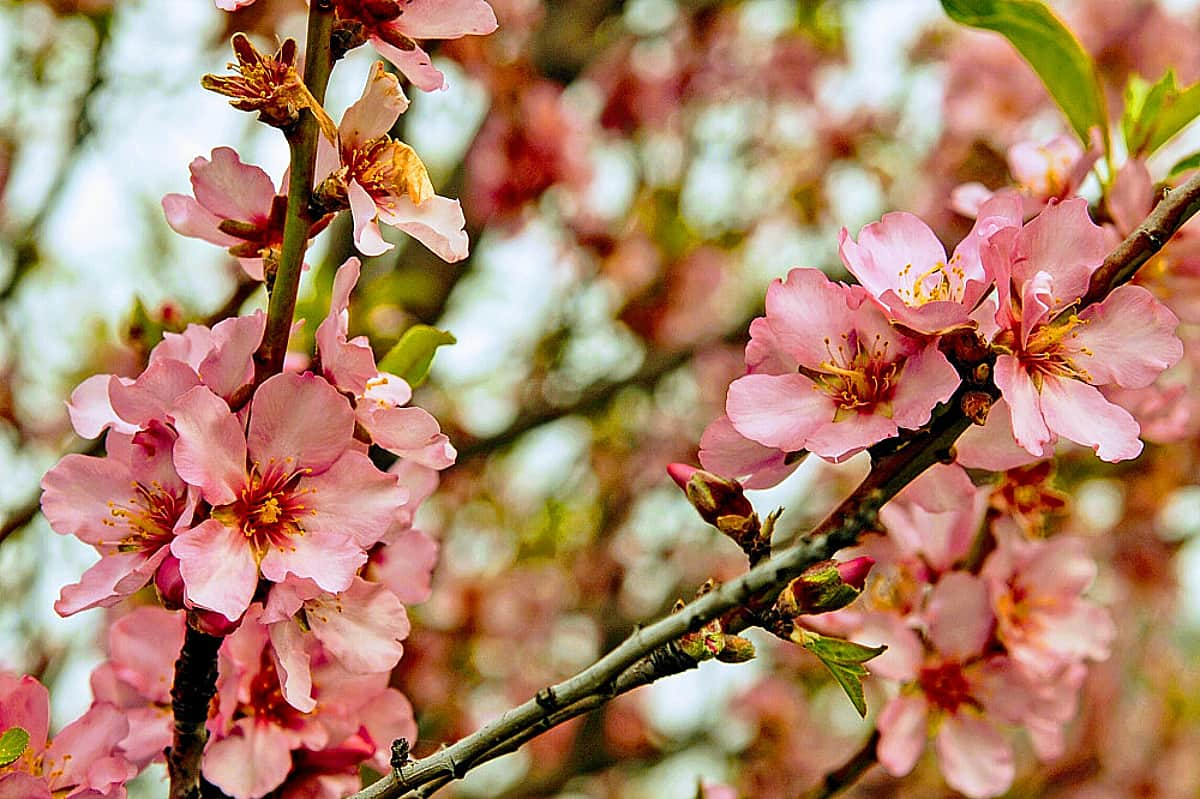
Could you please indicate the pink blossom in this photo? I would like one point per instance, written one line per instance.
(129, 505)
(256, 731)
(379, 398)
(361, 628)
(82, 762)
(1055, 358)
(383, 180)
(902, 264)
(1036, 589)
(860, 380)
(137, 677)
(393, 28)
(291, 494)
(1042, 172)
(235, 206)
(937, 518)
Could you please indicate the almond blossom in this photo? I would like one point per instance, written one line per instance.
(1036, 590)
(1053, 356)
(83, 761)
(902, 264)
(290, 492)
(965, 698)
(836, 376)
(235, 206)
(393, 26)
(1043, 172)
(255, 731)
(383, 180)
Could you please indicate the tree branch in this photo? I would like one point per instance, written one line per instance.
(193, 690)
(842, 778)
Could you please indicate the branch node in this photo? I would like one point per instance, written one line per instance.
(546, 698)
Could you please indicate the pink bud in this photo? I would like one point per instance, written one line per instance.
(212, 623)
(169, 583)
(854, 572)
(681, 473)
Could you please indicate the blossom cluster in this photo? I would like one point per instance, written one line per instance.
(256, 508)
(833, 369)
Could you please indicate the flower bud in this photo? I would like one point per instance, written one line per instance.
(212, 623)
(169, 583)
(705, 643)
(712, 496)
(823, 587)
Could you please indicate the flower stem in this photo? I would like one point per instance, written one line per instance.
(302, 141)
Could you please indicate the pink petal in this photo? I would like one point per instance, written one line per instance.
(779, 411)
(143, 646)
(902, 730)
(940, 488)
(975, 758)
(406, 566)
(362, 627)
(347, 364)
(230, 365)
(76, 497)
(838, 440)
(409, 432)
(373, 114)
(926, 380)
(106, 583)
(294, 666)
(1024, 404)
(91, 409)
(892, 253)
(367, 238)
(808, 310)
(230, 189)
(446, 19)
(189, 218)
(1063, 242)
(764, 353)
(959, 613)
(81, 743)
(1127, 339)
(301, 419)
(153, 393)
(1079, 412)
(25, 703)
(218, 568)
(933, 318)
(328, 559)
(414, 64)
(725, 451)
(211, 451)
(251, 762)
(23, 786)
(437, 223)
(354, 499)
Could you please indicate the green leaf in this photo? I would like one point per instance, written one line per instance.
(1154, 113)
(1184, 164)
(12, 745)
(844, 659)
(1050, 48)
(413, 354)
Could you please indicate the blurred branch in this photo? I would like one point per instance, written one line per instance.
(652, 653)
(25, 245)
(842, 778)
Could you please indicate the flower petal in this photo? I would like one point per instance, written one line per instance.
(960, 617)
(231, 189)
(902, 731)
(251, 762)
(328, 559)
(354, 499)
(1127, 339)
(367, 238)
(1079, 412)
(975, 758)
(189, 218)
(362, 627)
(301, 419)
(414, 64)
(725, 451)
(437, 223)
(218, 568)
(777, 410)
(375, 112)
(1024, 404)
(211, 450)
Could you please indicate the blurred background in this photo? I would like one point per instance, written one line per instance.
(633, 175)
